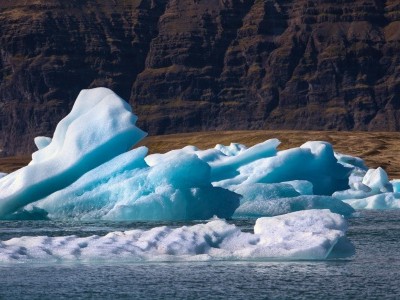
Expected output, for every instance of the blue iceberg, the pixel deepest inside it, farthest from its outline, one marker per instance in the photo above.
(90, 135)
(274, 182)
(126, 188)
(86, 171)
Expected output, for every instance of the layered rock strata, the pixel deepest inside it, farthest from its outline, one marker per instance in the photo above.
(192, 65)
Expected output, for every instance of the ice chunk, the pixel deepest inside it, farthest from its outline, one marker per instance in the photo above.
(303, 187)
(302, 235)
(260, 174)
(126, 188)
(312, 168)
(351, 161)
(362, 193)
(354, 193)
(99, 127)
(157, 158)
(396, 185)
(232, 150)
(320, 229)
(377, 180)
(379, 201)
(262, 191)
(314, 162)
(279, 206)
(373, 191)
(228, 167)
(42, 142)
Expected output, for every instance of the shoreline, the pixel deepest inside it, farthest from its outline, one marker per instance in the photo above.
(378, 149)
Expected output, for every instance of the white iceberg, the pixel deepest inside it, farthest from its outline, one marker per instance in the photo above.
(372, 191)
(306, 235)
(379, 201)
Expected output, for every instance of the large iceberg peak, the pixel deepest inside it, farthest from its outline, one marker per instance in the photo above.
(98, 118)
(88, 136)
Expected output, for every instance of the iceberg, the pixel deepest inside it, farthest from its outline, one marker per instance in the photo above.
(260, 199)
(86, 171)
(379, 201)
(280, 206)
(99, 127)
(275, 182)
(305, 235)
(314, 162)
(126, 188)
(373, 190)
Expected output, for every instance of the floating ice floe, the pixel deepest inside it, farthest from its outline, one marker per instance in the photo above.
(310, 235)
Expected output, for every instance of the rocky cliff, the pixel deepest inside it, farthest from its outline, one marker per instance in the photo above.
(191, 65)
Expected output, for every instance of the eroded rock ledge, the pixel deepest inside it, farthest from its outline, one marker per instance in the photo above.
(190, 65)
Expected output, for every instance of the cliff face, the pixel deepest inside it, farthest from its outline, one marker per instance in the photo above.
(189, 65)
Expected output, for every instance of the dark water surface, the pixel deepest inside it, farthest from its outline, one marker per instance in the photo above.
(372, 273)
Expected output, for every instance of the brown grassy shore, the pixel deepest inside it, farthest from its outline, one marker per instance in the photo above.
(376, 148)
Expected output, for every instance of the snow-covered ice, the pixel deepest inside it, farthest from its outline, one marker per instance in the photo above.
(301, 235)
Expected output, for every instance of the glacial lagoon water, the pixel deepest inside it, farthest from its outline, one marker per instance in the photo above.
(372, 273)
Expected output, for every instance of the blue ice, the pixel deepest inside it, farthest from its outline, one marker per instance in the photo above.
(126, 188)
(85, 171)
(99, 127)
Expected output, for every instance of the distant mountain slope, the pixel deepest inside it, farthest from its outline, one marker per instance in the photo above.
(190, 65)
